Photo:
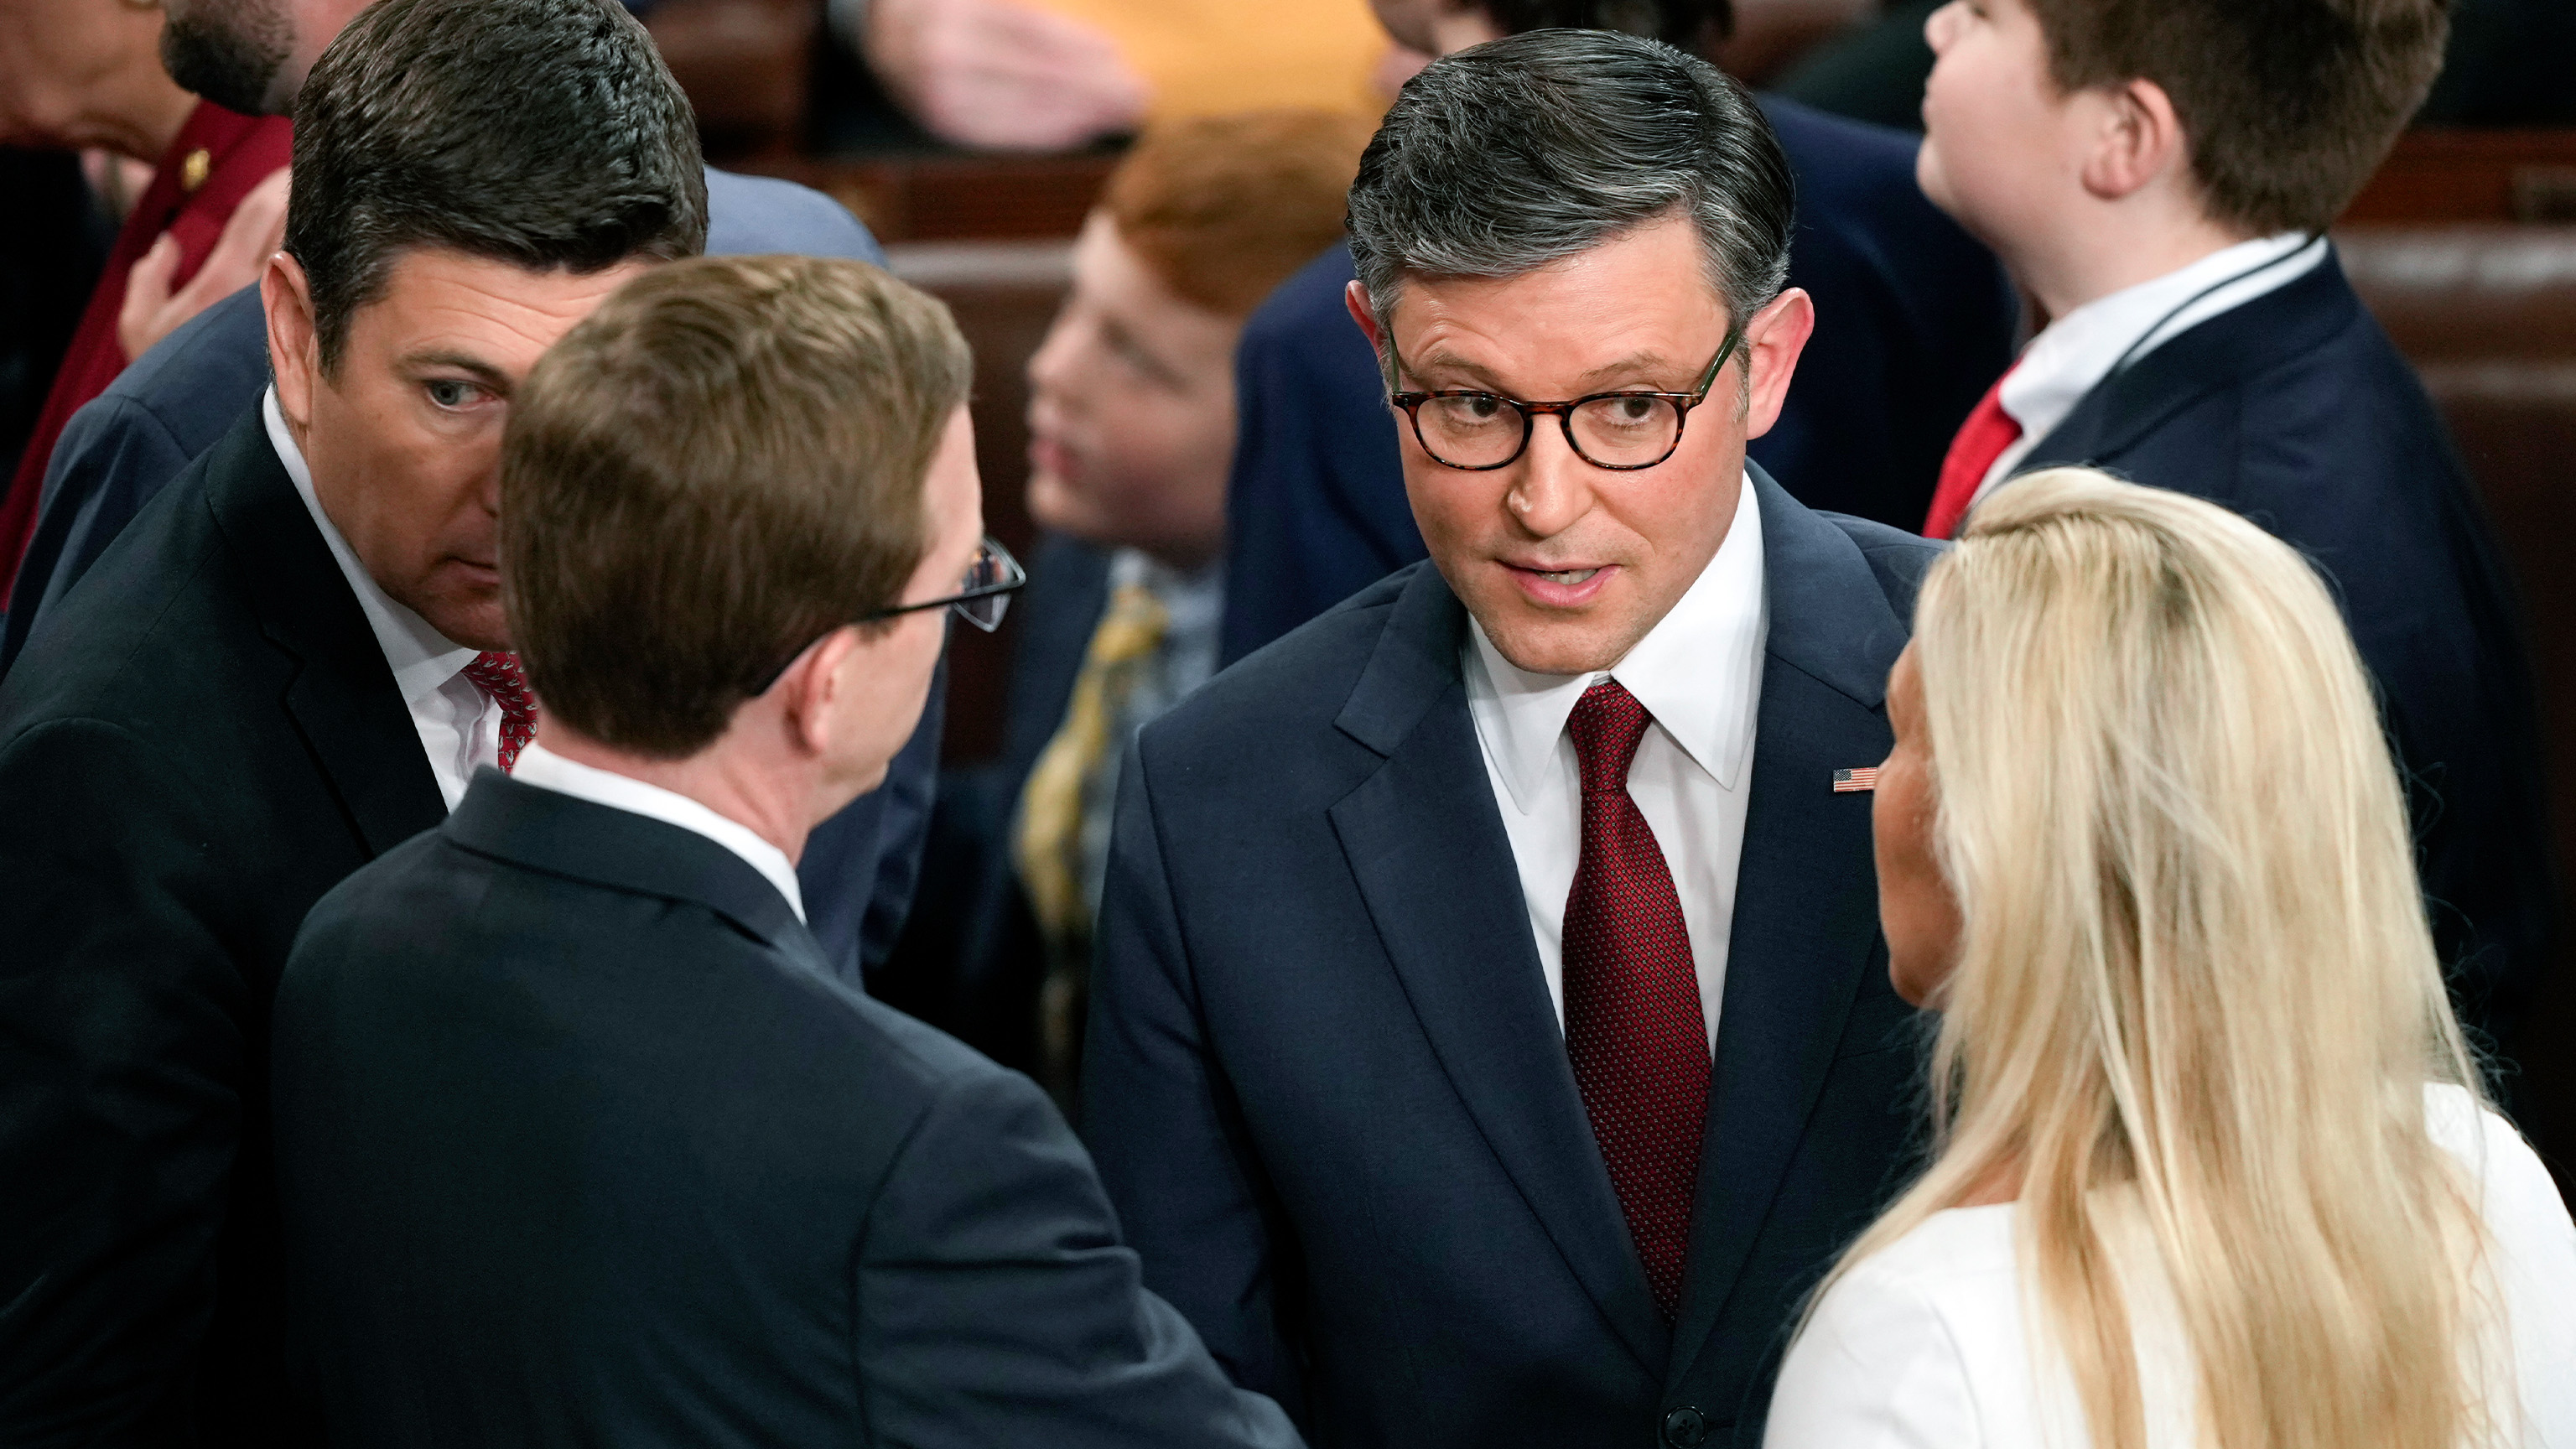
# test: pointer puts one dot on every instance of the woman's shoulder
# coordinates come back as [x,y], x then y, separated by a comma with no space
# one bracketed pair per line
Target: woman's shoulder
[1898,1346]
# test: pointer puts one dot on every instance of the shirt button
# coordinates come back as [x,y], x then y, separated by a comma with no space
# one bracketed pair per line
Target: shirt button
[1685,1428]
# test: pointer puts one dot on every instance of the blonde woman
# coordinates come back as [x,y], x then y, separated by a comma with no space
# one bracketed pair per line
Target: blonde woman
[2213,1168]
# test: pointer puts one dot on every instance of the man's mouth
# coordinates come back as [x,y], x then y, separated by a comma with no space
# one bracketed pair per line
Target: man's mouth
[1567,577]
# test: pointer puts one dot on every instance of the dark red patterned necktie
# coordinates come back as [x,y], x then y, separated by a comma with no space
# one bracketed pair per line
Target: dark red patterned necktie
[498,676]
[1632,1019]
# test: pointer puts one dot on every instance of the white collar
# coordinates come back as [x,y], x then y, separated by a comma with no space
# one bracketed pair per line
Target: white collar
[423,660]
[2079,349]
[547,770]
[1696,672]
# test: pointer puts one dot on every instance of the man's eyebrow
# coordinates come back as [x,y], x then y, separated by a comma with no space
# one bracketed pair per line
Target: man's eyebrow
[1443,361]
[1633,363]
[491,379]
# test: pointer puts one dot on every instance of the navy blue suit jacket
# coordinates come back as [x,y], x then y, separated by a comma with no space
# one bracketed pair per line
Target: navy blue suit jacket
[1914,320]
[2296,411]
[580,1141]
[120,450]
[1330,1096]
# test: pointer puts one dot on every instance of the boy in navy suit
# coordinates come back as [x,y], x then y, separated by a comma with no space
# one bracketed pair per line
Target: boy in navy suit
[2159,175]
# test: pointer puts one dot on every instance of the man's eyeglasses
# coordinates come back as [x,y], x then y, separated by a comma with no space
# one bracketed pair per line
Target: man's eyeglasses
[1477,432]
[983,596]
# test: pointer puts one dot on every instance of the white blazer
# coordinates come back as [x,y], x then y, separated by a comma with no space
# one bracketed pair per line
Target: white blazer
[1926,1345]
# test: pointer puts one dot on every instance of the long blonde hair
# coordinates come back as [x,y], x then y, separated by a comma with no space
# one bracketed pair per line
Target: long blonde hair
[2196,984]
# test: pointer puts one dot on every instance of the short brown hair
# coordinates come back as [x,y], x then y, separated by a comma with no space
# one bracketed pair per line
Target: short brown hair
[2289,105]
[719,466]
[1224,208]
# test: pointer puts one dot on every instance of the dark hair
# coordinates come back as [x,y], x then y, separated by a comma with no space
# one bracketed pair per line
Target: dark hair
[1508,156]
[1693,25]
[719,466]
[2289,105]
[543,133]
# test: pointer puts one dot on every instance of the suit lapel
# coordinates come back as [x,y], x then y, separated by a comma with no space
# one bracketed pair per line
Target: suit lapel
[1806,895]
[1425,842]
[2218,354]
[342,695]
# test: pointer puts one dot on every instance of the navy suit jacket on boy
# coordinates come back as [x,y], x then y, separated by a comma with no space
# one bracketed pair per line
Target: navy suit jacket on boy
[1913,320]
[2298,412]
[1331,1099]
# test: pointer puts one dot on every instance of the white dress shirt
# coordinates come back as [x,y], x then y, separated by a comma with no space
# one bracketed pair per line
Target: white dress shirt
[459,727]
[2078,350]
[1927,1342]
[547,770]
[1698,672]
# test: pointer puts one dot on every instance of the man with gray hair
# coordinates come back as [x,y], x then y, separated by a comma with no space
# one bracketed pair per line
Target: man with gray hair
[1491,1032]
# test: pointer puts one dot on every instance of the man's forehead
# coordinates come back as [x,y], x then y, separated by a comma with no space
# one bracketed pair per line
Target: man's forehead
[482,302]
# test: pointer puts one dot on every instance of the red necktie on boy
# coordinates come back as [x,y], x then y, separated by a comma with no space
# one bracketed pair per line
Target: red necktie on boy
[1982,439]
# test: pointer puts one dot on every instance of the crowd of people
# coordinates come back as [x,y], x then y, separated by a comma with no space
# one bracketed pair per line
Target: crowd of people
[1680,771]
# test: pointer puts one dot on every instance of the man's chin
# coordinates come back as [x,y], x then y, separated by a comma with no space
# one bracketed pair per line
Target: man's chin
[1558,646]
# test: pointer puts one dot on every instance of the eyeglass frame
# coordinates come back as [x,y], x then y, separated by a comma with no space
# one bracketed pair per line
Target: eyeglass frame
[1411,405]
[1018,579]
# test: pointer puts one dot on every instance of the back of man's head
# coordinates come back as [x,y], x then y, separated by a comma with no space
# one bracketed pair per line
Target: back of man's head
[1522,152]
[543,133]
[722,463]
[2289,105]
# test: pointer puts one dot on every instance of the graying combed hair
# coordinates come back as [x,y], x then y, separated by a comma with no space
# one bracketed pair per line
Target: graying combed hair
[1503,158]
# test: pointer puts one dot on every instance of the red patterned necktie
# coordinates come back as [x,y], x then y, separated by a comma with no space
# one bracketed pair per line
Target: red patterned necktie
[1632,1019]
[498,675]
[1980,441]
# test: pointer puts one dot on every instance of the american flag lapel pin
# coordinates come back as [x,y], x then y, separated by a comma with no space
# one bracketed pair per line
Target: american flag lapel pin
[1856,782]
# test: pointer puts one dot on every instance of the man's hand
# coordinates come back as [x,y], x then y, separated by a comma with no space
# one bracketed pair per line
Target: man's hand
[152,311]
[996,74]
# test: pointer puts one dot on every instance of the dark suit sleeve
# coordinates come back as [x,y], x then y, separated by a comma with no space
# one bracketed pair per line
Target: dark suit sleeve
[1163,1124]
[121,1063]
[997,1306]
[112,457]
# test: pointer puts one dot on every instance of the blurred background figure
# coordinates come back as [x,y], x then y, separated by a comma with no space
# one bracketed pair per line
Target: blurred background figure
[1055,74]
[1132,426]
[80,74]
[2142,844]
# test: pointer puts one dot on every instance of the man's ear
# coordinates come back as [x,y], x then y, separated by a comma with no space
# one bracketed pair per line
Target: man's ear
[1355,297]
[1773,341]
[813,684]
[2138,137]
[294,347]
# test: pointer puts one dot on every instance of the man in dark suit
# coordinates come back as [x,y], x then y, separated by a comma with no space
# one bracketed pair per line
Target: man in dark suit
[580,1140]
[2204,339]
[287,666]
[1912,316]
[117,453]
[1491,1033]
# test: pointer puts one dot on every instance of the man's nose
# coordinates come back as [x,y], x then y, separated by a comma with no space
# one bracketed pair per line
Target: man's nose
[1555,485]
[1938,25]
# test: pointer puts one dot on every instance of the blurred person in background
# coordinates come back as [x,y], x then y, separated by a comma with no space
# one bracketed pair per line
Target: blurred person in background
[2213,1164]
[1132,426]
[79,74]
[1051,75]
[1911,314]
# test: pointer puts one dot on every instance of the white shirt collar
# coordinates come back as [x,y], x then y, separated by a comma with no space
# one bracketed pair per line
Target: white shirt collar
[2079,349]
[1696,672]
[547,770]
[422,659]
